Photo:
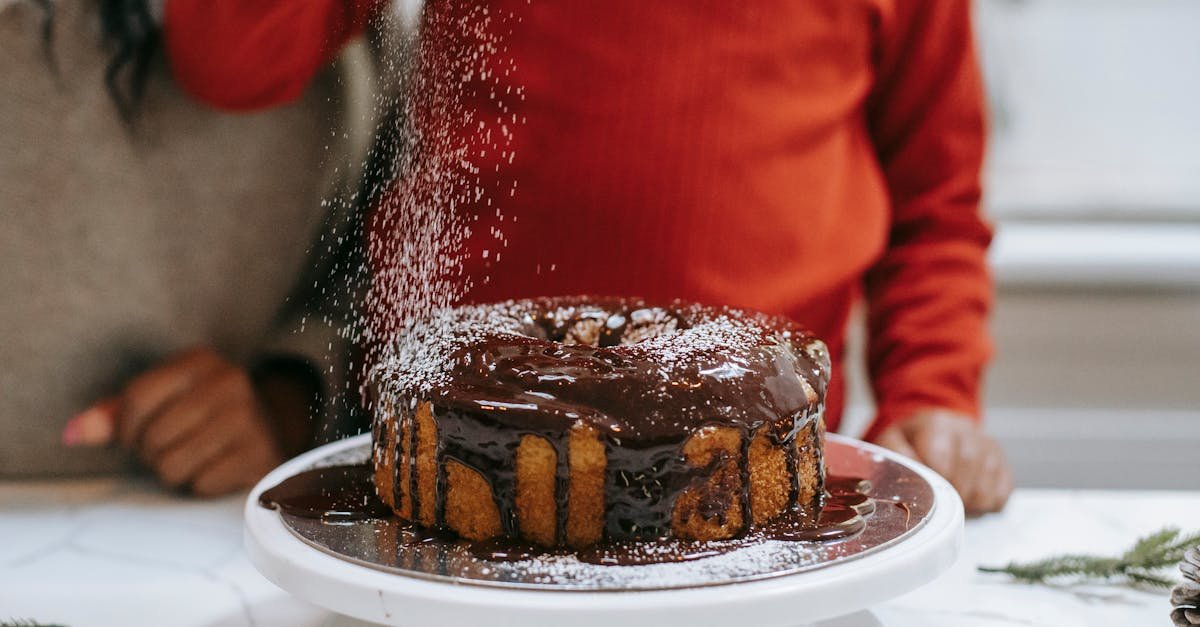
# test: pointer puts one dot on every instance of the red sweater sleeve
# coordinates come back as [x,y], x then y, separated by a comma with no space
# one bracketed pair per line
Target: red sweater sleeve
[250,54]
[930,293]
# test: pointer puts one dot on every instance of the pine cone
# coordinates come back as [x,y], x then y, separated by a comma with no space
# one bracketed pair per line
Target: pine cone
[1190,566]
[1186,596]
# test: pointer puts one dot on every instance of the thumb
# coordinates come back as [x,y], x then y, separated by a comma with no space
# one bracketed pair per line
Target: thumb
[893,438]
[93,426]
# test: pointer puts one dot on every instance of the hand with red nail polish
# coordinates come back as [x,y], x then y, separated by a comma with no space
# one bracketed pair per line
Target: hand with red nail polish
[196,420]
[93,426]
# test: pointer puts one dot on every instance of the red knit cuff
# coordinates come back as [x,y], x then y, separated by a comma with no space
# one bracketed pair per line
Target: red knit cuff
[247,56]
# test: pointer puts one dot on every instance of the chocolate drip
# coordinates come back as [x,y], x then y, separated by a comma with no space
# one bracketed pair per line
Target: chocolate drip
[394,422]
[815,433]
[333,494]
[792,460]
[562,484]
[479,443]
[377,440]
[345,494]
[408,415]
[744,476]
[442,486]
[540,367]
[640,487]
[847,485]
[813,447]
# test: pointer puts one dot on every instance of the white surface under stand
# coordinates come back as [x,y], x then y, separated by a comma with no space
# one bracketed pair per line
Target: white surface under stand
[835,591]
[122,551]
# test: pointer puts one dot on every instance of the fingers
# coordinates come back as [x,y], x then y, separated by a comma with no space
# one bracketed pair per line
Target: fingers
[1004,482]
[196,421]
[965,458]
[234,437]
[192,410]
[148,394]
[239,468]
[93,426]
[972,486]
[179,465]
[958,449]
[995,482]
[937,444]
[893,438]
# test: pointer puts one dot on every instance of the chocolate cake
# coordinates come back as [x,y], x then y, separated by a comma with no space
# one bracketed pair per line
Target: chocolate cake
[568,421]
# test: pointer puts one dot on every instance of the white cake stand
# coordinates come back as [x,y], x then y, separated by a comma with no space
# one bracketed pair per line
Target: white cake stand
[836,590]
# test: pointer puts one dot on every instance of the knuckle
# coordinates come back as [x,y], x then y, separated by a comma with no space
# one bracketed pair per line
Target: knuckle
[198,359]
[136,394]
[156,436]
[163,429]
[136,389]
[238,418]
[172,470]
[233,382]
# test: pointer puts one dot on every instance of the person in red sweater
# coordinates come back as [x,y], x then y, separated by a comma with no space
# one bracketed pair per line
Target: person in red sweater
[791,157]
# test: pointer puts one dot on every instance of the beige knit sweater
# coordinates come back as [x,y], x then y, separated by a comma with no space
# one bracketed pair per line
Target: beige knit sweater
[120,246]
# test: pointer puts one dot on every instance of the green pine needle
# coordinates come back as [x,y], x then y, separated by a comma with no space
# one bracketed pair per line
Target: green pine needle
[1149,580]
[1139,566]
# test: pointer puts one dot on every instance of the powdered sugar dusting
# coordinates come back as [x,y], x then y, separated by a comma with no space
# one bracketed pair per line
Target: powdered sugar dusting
[678,338]
[416,208]
[421,359]
[740,560]
[433,208]
[711,332]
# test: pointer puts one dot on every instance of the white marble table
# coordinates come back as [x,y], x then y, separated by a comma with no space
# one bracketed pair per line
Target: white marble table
[112,552]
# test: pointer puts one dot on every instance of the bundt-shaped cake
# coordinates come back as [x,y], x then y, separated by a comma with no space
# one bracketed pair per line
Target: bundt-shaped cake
[568,421]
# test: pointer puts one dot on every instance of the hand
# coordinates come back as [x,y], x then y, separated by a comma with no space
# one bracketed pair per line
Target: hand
[195,420]
[958,449]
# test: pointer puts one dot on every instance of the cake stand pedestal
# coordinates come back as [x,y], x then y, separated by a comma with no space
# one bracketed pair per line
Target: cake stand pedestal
[816,597]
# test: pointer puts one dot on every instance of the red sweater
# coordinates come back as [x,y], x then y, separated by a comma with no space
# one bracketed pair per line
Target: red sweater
[792,157]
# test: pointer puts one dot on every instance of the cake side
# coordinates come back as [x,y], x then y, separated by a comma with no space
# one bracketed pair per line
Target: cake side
[607,421]
[735,481]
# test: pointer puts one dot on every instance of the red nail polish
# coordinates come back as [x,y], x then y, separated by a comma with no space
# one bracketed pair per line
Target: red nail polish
[70,432]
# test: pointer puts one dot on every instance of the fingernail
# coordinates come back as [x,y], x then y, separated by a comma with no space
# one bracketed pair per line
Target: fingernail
[91,427]
[70,433]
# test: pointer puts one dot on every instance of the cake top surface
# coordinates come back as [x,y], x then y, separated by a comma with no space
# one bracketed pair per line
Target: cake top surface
[627,367]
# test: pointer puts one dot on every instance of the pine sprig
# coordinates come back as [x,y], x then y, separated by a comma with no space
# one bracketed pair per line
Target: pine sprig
[25,622]
[1140,566]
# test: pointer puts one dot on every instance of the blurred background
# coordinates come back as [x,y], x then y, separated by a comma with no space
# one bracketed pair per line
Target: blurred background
[1093,181]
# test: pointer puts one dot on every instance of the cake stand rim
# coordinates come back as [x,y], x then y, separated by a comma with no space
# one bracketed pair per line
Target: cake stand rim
[834,590]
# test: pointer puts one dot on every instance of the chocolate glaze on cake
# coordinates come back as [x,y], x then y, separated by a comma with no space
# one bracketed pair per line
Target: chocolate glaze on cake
[644,378]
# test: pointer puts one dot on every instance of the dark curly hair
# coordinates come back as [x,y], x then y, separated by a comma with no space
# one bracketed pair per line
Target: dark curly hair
[132,35]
